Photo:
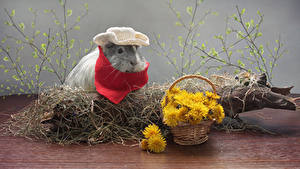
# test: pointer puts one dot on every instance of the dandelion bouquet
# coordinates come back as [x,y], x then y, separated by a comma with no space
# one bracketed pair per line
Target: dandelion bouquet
[192,108]
[182,108]
[154,141]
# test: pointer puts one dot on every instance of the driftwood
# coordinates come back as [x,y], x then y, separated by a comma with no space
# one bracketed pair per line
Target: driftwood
[253,95]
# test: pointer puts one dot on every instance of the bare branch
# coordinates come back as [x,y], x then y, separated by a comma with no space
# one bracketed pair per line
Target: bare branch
[220,60]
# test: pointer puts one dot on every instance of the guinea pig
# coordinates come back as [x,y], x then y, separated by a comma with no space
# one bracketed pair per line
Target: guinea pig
[124,58]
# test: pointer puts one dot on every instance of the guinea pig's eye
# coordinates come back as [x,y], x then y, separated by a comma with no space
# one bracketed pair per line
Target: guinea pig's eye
[120,50]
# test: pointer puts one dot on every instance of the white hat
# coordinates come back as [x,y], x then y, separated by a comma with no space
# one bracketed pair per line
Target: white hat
[121,36]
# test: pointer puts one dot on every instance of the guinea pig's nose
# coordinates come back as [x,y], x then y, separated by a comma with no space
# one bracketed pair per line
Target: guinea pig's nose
[133,63]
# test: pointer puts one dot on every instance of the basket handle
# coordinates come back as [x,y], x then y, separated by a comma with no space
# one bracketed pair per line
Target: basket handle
[194,76]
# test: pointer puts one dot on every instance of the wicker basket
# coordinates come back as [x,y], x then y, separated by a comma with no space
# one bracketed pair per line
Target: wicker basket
[187,134]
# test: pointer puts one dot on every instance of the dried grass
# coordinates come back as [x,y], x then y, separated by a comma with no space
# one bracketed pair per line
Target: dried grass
[66,116]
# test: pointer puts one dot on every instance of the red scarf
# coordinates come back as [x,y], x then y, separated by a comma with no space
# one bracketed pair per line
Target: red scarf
[114,84]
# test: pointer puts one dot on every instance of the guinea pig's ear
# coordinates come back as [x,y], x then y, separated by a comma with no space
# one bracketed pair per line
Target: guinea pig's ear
[103,38]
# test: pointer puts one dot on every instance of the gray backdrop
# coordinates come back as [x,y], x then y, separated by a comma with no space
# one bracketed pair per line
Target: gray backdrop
[281,17]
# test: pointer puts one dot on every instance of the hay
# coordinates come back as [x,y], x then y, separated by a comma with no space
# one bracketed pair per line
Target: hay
[66,116]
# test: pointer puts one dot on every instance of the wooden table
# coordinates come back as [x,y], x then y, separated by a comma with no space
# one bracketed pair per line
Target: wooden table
[222,150]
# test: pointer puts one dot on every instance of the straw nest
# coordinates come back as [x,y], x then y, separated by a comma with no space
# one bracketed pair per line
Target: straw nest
[66,115]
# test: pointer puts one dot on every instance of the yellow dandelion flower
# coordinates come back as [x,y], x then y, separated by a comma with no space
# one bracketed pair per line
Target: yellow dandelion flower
[211,95]
[194,117]
[181,114]
[156,144]
[144,144]
[170,118]
[210,103]
[184,98]
[170,95]
[170,114]
[201,108]
[151,130]
[170,107]
[199,97]
[217,113]
[220,113]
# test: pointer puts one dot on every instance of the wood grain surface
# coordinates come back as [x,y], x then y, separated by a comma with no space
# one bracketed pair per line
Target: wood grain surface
[222,150]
